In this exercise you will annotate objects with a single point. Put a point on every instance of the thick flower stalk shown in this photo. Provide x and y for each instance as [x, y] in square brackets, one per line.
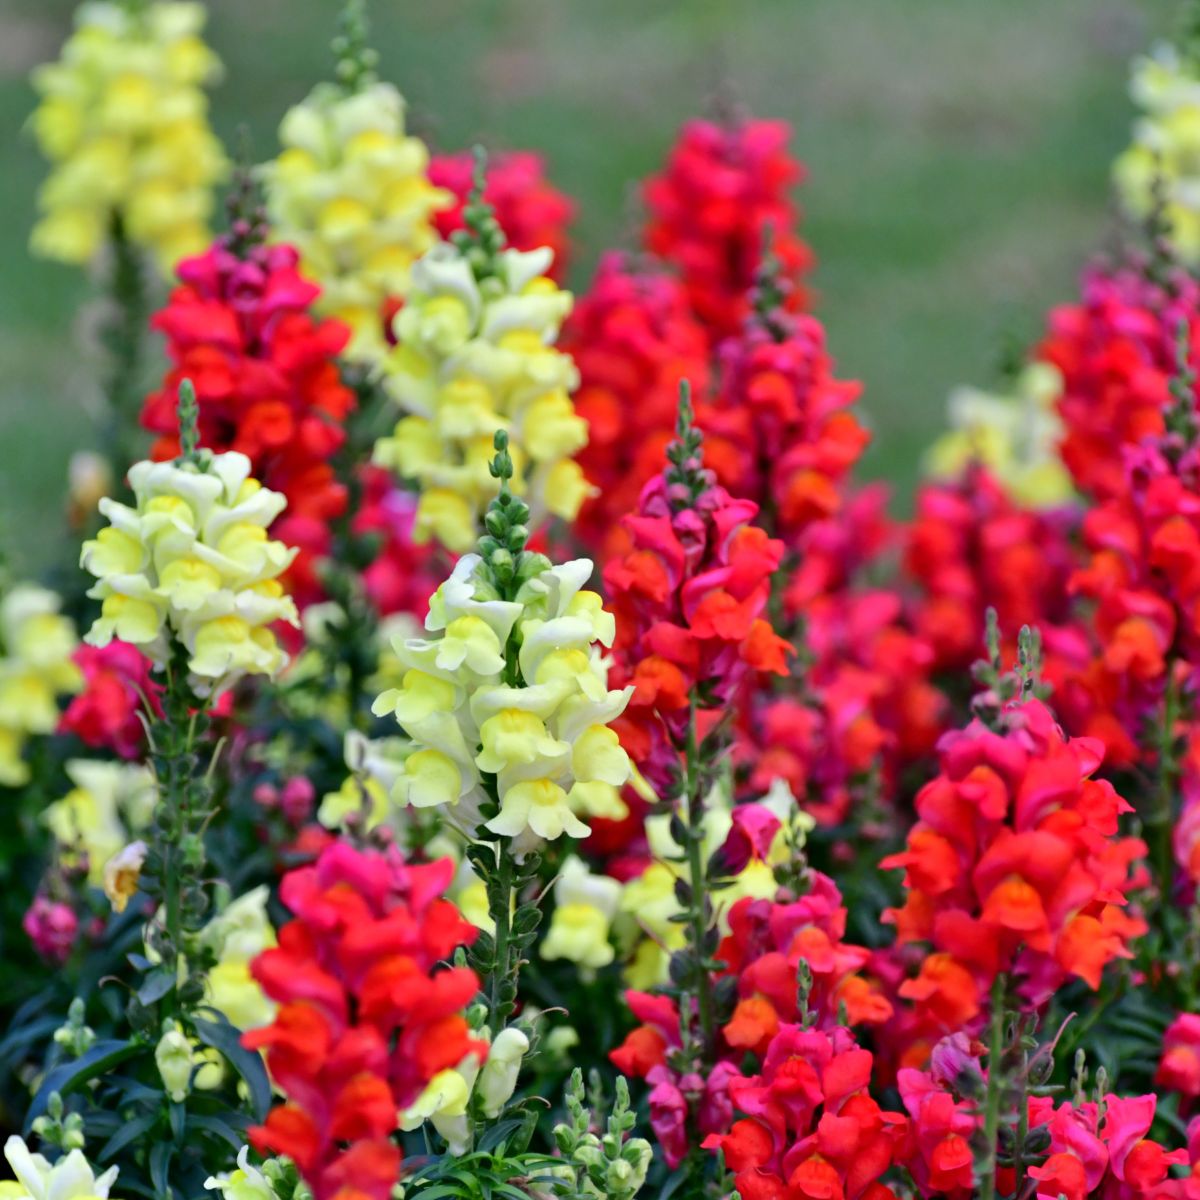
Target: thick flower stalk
[350, 192]
[476, 354]
[1157, 177]
[190, 564]
[367, 1019]
[1013, 434]
[724, 188]
[1016, 878]
[37, 645]
[123, 121]
[508, 706]
[634, 339]
[531, 210]
[240, 327]
[690, 597]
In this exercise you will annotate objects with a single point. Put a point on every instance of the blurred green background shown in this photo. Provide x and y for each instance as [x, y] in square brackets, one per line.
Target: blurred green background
[958, 153]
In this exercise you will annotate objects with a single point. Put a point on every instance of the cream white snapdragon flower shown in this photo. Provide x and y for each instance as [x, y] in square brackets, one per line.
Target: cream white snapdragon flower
[192, 560]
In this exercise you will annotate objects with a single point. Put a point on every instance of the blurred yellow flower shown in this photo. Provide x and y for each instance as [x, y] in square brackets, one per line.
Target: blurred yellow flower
[349, 190]
[36, 645]
[1015, 436]
[123, 122]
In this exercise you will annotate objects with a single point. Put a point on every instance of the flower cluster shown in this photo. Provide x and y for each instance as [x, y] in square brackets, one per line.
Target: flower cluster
[971, 546]
[1014, 868]
[1116, 353]
[690, 597]
[366, 1020]
[476, 354]
[116, 689]
[1014, 435]
[240, 328]
[634, 340]
[722, 193]
[123, 119]
[1156, 177]
[192, 558]
[780, 431]
[812, 1128]
[37, 644]
[527, 741]
[531, 210]
[350, 191]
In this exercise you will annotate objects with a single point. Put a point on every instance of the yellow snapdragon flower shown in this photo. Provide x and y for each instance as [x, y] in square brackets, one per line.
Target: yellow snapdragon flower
[235, 937]
[1165, 153]
[70, 1177]
[476, 354]
[193, 559]
[109, 805]
[584, 908]
[246, 1182]
[349, 190]
[36, 645]
[648, 910]
[123, 121]
[537, 734]
[447, 1097]
[1015, 436]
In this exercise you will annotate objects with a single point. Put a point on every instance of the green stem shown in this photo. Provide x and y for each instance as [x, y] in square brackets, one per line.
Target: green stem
[501, 915]
[1158, 819]
[697, 924]
[124, 340]
[991, 1104]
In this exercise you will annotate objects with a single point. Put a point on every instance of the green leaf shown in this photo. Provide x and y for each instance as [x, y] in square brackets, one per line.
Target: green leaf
[129, 1132]
[160, 1163]
[218, 1128]
[99, 1060]
[225, 1039]
[155, 986]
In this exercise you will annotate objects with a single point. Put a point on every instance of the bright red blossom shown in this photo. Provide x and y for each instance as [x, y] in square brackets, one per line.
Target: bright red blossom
[722, 189]
[366, 1017]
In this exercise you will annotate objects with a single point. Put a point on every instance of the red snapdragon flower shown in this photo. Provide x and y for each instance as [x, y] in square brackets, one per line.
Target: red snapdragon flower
[780, 430]
[634, 339]
[1116, 350]
[811, 1129]
[116, 686]
[366, 1019]
[690, 599]
[240, 327]
[531, 210]
[722, 188]
[1014, 866]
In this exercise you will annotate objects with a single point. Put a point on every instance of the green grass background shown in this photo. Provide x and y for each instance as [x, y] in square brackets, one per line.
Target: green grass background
[958, 153]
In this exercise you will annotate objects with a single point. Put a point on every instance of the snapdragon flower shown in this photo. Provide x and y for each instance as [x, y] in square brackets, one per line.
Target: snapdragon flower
[36, 645]
[123, 121]
[71, 1177]
[1014, 434]
[192, 560]
[350, 191]
[1160, 166]
[532, 725]
[476, 354]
